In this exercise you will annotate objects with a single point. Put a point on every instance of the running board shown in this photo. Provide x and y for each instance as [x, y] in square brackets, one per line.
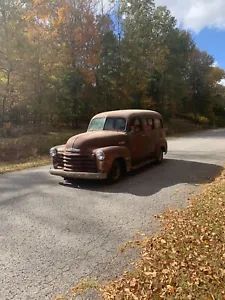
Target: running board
[143, 164]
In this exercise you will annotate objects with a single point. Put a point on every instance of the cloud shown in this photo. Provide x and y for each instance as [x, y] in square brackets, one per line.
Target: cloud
[215, 64]
[104, 5]
[197, 14]
[222, 82]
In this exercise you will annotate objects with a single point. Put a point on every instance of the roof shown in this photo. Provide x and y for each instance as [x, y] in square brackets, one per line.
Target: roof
[128, 113]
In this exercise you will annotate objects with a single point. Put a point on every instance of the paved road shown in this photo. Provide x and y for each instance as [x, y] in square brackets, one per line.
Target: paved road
[52, 234]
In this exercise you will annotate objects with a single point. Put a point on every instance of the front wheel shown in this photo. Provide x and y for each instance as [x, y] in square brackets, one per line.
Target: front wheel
[116, 172]
[159, 156]
[69, 180]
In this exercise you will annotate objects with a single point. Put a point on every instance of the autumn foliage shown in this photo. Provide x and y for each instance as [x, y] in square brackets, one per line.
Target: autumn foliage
[62, 61]
[186, 260]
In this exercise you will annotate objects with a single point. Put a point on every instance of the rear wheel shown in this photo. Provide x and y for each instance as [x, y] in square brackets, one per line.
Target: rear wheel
[116, 172]
[159, 156]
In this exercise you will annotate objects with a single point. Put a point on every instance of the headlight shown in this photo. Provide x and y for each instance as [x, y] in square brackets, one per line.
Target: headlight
[53, 152]
[100, 155]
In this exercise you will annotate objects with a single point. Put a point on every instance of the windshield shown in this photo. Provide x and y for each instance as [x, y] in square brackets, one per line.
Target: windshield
[108, 124]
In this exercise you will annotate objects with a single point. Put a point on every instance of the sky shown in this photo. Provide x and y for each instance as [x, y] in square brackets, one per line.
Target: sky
[206, 20]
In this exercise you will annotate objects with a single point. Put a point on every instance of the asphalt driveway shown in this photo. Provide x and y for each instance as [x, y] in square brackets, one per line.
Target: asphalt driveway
[53, 234]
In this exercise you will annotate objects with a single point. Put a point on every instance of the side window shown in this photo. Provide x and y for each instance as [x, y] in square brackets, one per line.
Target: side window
[148, 124]
[115, 124]
[135, 125]
[158, 123]
[144, 123]
[151, 123]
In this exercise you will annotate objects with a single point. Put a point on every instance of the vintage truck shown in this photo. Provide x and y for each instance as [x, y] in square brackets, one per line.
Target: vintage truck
[115, 143]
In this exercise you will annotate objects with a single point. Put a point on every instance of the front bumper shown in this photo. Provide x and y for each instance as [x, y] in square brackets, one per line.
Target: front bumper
[78, 175]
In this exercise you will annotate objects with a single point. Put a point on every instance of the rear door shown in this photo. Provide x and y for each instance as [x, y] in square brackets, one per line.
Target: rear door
[150, 135]
[137, 140]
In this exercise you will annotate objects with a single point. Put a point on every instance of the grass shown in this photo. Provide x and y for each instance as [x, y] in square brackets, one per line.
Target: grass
[29, 150]
[178, 127]
[186, 260]
[26, 164]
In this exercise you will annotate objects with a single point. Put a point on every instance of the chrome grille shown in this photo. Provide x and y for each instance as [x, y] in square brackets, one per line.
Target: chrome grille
[58, 161]
[72, 162]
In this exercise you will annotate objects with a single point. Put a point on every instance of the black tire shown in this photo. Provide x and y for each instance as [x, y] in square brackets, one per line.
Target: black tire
[159, 156]
[69, 180]
[116, 172]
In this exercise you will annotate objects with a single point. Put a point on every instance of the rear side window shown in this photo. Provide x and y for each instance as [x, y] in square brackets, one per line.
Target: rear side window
[158, 123]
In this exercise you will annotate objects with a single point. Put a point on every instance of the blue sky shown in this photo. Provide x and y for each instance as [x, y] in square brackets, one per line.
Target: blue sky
[213, 41]
[206, 20]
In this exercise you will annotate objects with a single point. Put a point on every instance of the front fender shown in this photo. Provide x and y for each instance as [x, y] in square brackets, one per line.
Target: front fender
[111, 154]
[60, 148]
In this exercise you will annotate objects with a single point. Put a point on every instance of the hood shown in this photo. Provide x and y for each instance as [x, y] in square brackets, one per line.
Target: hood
[89, 141]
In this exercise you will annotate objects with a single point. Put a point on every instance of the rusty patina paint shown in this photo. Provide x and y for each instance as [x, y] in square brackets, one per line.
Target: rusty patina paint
[131, 147]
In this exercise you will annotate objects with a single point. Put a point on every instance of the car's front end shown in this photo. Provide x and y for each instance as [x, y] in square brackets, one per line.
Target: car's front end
[87, 156]
[76, 164]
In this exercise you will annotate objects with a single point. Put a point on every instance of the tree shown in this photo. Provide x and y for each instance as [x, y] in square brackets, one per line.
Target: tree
[11, 45]
[145, 49]
[63, 61]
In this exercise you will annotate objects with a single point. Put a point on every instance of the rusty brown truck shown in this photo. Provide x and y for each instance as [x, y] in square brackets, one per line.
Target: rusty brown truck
[115, 143]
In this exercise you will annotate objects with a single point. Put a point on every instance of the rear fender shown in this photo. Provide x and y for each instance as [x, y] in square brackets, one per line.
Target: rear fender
[162, 145]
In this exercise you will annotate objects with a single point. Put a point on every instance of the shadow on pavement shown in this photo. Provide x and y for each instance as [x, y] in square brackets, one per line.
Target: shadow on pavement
[150, 180]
